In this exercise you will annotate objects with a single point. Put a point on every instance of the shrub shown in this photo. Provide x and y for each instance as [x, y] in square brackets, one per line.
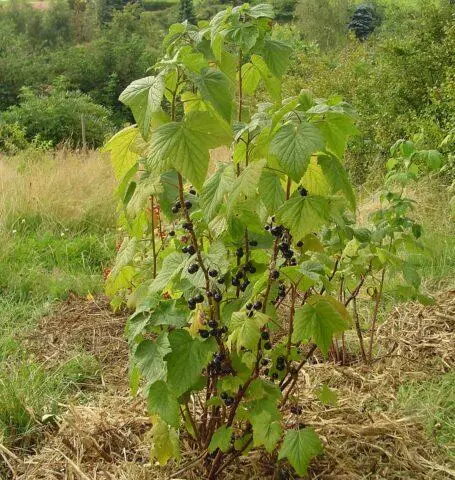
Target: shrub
[12, 138]
[58, 116]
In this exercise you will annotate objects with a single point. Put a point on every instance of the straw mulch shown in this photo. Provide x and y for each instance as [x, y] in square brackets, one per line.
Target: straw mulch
[365, 435]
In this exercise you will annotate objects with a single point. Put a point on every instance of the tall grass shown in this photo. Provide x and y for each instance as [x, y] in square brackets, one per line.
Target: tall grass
[56, 191]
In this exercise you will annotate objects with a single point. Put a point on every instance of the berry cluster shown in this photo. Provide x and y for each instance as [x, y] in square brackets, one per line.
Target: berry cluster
[199, 298]
[220, 365]
[214, 330]
[251, 307]
[227, 399]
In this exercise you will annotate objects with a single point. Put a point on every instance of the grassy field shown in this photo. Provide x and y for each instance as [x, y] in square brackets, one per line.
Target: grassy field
[58, 235]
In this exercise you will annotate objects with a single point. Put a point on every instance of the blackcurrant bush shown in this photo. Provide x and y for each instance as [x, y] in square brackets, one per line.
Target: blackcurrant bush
[217, 297]
[267, 346]
[213, 273]
[204, 333]
[199, 298]
[265, 335]
[171, 233]
[257, 305]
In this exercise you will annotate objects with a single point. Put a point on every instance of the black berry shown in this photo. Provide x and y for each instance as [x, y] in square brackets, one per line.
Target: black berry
[199, 298]
[300, 244]
[217, 297]
[221, 280]
[188, 204]
[267, 227]
[274, 375]
[275, 274]
[244, 285]
[249, 306]
[235, 282]
[239, 252]
[212, 324]
[257, 305]
[175, 209]
[191, 250]
[171, 233]
[204, 333]
[193, 268]
[266, 371]
[303, 191]
[265, 335]
[267, 346]
[213, 273]
[264, 362]
[185, 249]
[250, 313]
[239, 274]
[187, 226]
[252, 269]
[224, 395]
[191, 303]
[192, 191]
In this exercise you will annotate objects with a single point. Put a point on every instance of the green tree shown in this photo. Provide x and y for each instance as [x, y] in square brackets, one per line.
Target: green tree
[186, 11]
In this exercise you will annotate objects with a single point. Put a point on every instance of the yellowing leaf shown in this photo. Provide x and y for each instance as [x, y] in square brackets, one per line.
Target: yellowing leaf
[165, 442]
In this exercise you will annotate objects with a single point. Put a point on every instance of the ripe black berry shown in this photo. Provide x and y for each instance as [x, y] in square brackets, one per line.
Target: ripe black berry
[175, 209]
[193, 268]
[293, 262]
[204, 333]
[267, 346]
[249, 306]
[224, 395]
[284, 246]
[276, 231]
[171, 233]
[257, 305]
[296, 409]
[244, 285]
[235, 282]
[239, 274]
[187, 226]
[274, 375]
[210, 293]
[188, 204]
[221, 280]
[303, 191]
[199, 298]
[217, 297]
[191, 250]
[252, 269]
[191, 303]
[266, 371]
[253, 243]
[212, 324]
[250, 313]
[267, 227]
[239, 252]
[288, 254]
[228, 401]
[300, 244]
[224, 329]
[185, 249]
[192, 191]
[265, 335]
[213, 273]
[280, 366]
[264, 362]
[275, 274]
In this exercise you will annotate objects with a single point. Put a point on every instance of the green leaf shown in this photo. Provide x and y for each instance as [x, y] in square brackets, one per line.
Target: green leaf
[215, 87]
[303, 215]
[246, 331]
[185, 146]
[144, 97]
[124, 256]
[171, 312]
[277, 56]
[221, 439]
[165, 442]
[266, 432]
[262, 10]
[123, 158]
[250, 78]
[214, 190]
[338, 177]
[300, 447]
[319, 320]
[149, 357]
[327, 396]
[293, 144]
[272, 83]
[245, 36]
[161, 402]
[246, 183]
[187, 359]
[172, 266]
[336, 129]
[271, 191]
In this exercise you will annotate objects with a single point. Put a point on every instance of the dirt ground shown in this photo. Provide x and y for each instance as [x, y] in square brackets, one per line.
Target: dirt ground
[104, 437]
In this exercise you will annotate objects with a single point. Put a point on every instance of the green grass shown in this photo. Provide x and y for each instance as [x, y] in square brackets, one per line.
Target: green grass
[434, 403]
[30, 394]
[36, 271]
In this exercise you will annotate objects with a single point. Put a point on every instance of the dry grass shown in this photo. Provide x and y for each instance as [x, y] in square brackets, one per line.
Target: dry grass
[365, 435]
[64, 188]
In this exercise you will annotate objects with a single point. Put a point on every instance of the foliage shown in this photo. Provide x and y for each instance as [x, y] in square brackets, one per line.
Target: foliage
[208, 281]
[363, 22]
[12, 138]
[60, 116]
[186, 11]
